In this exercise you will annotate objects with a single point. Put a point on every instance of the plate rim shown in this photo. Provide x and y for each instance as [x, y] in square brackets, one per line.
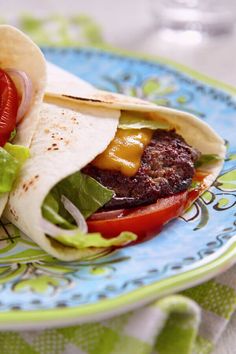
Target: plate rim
[106, 308]
[103, 309]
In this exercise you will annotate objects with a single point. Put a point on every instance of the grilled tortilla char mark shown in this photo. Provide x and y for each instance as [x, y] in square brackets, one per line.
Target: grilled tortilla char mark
[167, 168]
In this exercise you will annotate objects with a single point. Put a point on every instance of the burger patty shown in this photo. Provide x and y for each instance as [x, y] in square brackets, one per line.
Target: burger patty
[167, 167]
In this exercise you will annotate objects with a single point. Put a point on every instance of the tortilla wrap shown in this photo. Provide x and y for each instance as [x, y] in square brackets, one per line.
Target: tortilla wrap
[84, 121]
[17, 51]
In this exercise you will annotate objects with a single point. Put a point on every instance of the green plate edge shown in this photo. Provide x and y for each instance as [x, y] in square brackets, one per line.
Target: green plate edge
[148, 293]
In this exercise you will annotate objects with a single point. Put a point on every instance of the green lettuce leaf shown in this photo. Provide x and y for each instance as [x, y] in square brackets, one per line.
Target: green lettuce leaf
[12, 158]
[50, 211]
[81, 240]
[13, 134]
[194, 185]
[88, 195]
[136, 120]
[19, 152]
[207, 159]
[83, 191]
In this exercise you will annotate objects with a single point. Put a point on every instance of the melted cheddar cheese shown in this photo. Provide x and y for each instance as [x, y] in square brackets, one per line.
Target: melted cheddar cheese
[125, 151]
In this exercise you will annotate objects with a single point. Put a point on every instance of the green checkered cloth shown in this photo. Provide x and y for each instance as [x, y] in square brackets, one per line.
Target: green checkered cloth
[177, 324]
[190, 322]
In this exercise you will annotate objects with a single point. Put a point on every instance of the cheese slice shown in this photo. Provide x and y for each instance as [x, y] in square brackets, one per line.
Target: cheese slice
[125, 151]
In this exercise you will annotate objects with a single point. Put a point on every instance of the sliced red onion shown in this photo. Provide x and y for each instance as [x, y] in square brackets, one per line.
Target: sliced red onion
[54, 231]
[74, 211]
[104, 215]
[26, 91]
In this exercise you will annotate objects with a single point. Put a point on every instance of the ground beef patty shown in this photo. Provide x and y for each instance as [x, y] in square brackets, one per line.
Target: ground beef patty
[167, 167]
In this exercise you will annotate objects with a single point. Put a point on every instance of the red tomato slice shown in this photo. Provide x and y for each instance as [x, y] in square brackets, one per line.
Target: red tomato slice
[146, 221]
[8, 107]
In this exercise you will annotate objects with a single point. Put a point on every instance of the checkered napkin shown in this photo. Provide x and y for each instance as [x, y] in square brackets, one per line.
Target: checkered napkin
[190, 322]
[178, 324]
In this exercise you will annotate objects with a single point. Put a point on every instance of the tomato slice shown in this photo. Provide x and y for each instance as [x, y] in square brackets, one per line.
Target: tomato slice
[146, 221]
[8, 107]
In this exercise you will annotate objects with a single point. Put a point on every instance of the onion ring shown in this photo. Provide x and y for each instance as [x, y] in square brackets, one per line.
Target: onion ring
[26, 94]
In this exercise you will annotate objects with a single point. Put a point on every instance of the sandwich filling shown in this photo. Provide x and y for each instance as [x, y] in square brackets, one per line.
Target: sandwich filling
[13, 107]
[166, 167]
[147, 164]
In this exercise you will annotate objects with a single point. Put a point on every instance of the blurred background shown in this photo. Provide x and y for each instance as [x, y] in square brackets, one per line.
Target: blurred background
[196, 33]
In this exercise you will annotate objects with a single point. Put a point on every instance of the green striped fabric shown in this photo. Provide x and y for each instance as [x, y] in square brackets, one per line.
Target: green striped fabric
[177, 324]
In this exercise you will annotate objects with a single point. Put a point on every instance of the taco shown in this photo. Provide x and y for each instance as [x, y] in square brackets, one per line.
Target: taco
[108, 170]
[22, 82]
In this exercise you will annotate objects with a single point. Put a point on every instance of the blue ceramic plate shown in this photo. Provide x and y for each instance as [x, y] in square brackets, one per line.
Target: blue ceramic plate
[37, 290]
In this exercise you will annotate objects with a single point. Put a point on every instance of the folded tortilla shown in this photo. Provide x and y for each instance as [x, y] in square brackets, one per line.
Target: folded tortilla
[17, 51]
[77, 123]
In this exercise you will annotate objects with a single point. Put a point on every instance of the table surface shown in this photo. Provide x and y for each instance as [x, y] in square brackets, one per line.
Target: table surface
[132, 25]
